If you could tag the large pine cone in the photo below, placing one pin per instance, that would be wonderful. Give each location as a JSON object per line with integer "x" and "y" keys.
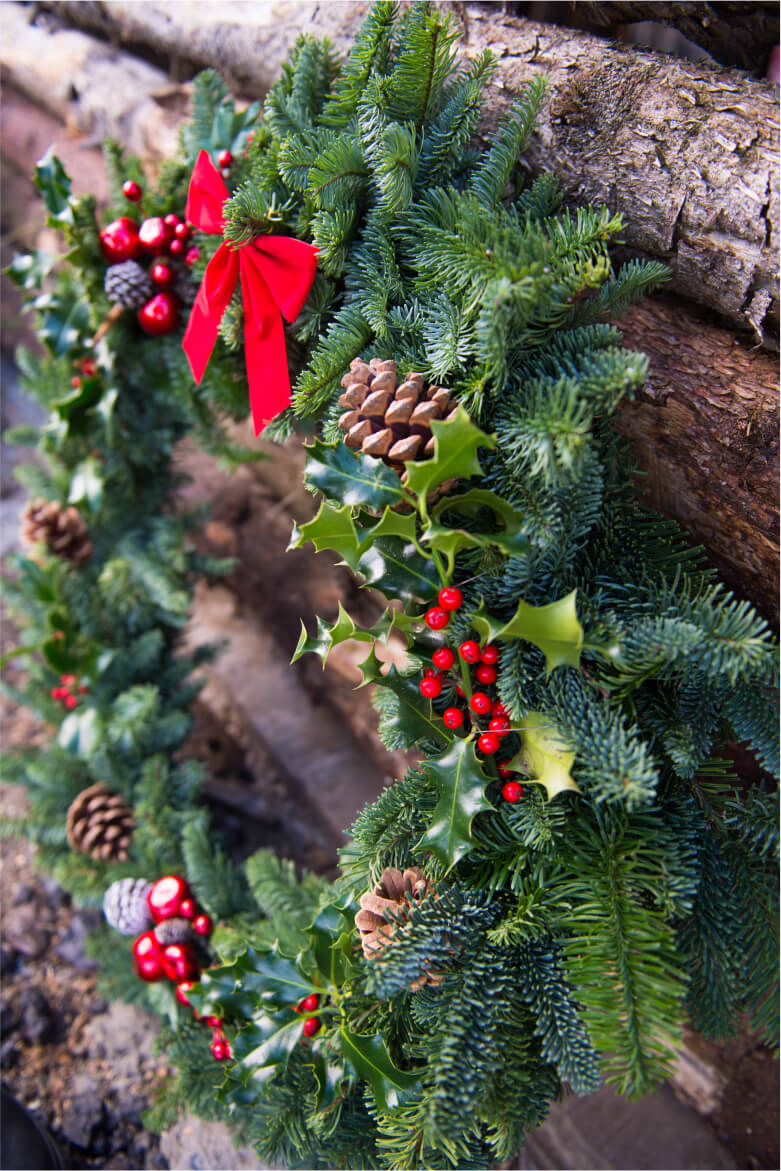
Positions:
{"x": 125, "y": 906}
{"x": 100, "y": 824}
{"x": 387, "y": 419}
{"x": 62, "y": 530}
{"x": 394, "y": 893}
{"x": 128, "y": 285}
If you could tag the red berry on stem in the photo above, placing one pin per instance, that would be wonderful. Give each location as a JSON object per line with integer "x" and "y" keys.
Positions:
{"x": 119, "y": 240}
{"x": 187, "y": 909}
{"x": 160, "y": 315}
{"x": 500, "y": 725}
{"x": 89, "y": 367}
{"x": 470, "y": 651}
{"x": 192, "y": 255}
{"x": 311, "y": 1026}
{"x": 75, "y": 381}
{"x": 490, "y": 654}
{"x": 443, "y": 658}
{"x": 503, "y": 770}
{"x": 148, "y": 957}
{"x": 485, "y": 674}
{"x": 180, "y": 962}
{"x": 162, "y": 274}
{"x": 480, "y": 703}
{"x": 450, "y": 598}
{"x": 498, "y": 709}
{"x": 437, "y": 618}
{"x": 452, "y": 717}
{"x": 459, "y": 690}
{"x": 214, "y": 1022}
{"x": 220, "y": 1049}
{"x": 132, "y": 190}
{"x": 176, "y": 247}
{"x": 165, "y": 897}
{"x": 171, "y": 220}
{"x": 488, "y": 743}
{"x": 154, "y": 235}
{"x": 182, "y": 988}
{"x": 512, "y": 792}
{"x": 431, "y": 688}
{"x": 310, "y": 1003}
{"x": 202, "y": 925}
{"x": 224, "y": 159}
{"x": 70, "y": 702}
{"x": 67, "y": 680}
{"x": 182, "y": 231}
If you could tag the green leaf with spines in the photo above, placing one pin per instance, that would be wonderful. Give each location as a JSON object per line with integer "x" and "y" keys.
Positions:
{"x": 461, "y": 781}
{"x": 456, "y": 442}
{"x": 553, "y": 628}
{"x": 54, "y": 184}
{"x": 332, "y": 528}
{"x": 449, "y": 540}
{"x": 327, "y": 637}
{"x": 369, "y": 1057}
{"x": 350, "y": 478}
{"x": 415, "y": 719}
{"x": 544, "y": 756}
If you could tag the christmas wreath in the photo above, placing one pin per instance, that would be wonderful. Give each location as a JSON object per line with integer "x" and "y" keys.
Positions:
{"x": 570, "y": 871}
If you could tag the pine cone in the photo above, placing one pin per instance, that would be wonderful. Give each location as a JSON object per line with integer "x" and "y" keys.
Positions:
{"x": 394, "y": 893}
{"x": 62, "y": 530}
{"x": 388, "y": 420}
{"x": 174, "y": 931}
{"x": 100, "y": 824}
{"x": 128, "y": 285}
{"x": 125, "y": 906}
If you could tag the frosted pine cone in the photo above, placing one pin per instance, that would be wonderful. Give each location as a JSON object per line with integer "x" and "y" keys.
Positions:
{"x": 62, "y": 530}
{"x": 125, "y": 906}
{"x": 387, "y": 419}
{"x": 394, "y": 893}
{"x": 128, "y": 285}
{"x": 100, "y": 824}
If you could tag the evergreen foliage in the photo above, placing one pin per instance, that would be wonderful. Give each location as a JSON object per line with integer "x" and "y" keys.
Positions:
{"x": 634, "y": 884}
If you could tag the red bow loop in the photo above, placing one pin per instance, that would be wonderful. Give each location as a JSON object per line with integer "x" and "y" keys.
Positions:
{"x": 276, "y": 275}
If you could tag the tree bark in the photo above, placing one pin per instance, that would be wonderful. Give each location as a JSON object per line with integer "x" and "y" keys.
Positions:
{"x": 705, "y": 434}
{"x": 686, "y": 151}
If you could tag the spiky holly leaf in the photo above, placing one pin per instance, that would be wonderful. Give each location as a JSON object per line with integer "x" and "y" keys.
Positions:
{"x": 333, "y": 1079}
{"x": 327, "y": 637}
{"x": 554, "y": 628}
{"x": 80, "y": 732}
{"x": 390, "y": 524}
{"x": 87, "y": 484}
{"x": 54, "y": 184}
{"x": 544, "y": 755}
{"x": 449, "y": 540}
{"x": 459, "y": 777}
{"x": 30, "y": 270}
{"x": 266, "y": 1043}
{"x": 332, "y": 528}
{"x": 399, "y": 570}
{"x": 350, "y": 478}
{"x": 325, "y": 935}
{"x": 371, "y": 1061}
{"x": 415, "y": 719}
{"x": 455, "y": 444}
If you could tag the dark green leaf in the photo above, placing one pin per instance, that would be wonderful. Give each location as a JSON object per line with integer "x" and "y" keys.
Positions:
{"x": 54, "y": 185}
{"x": 554, "y": 628}
{"x": 371, "y": 1062}
{"x": 455, "y": 445}
{"x": 459, "y": 777}
{"x": 342, "y": 475}
{"x": 29, "y": 270}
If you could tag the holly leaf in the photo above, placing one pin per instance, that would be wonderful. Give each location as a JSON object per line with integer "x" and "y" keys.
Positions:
{"x": 28, "y": 271}
{"x": 398, "y": 570}
{"x": 351, "y": 478}
{"x": 266, "y": 1043}
{"x": 544, "y": 755}
{"x": 87, "y": 484}
{"x": 333, "y": 1079}
{"x": 80, "y": 732}
{"x": 332, "y": 528}
{"x": 62, "y": 324}
{"x": 371, "y": 1061}
{"x": 449, "y": 540}
{"x": 455, "y": 444}
{"x": 554, "y": 628}
{"x": 390, "y": 524}
{"x": 371, "y": 669}
{"x": 415, "y": 720}
{"x": 459, "y": 777}
{"x": 54, "y": 184}
{"x": 327, "y": 637}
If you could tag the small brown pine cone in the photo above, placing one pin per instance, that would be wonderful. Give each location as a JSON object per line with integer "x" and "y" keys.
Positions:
{"x": 100, "y": 824}
{"x": 387, "y": 418}
{"x": 62, "y": 530}
{"x": 394, "y": 893}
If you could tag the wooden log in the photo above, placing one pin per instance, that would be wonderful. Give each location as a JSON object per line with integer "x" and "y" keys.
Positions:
{"x": 705, "y": 434}
{"x": 686, "y": 151}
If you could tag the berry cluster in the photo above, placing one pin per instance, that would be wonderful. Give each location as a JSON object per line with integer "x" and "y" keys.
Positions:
{"x": 483, "y": 705}
{"x": 65, "y": 695}
{"x": 310, "y": 1004}
{"x": 88, "y": 367}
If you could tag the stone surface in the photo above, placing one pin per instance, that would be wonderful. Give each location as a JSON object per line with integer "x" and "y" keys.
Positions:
{"x": 194, "y": 1145}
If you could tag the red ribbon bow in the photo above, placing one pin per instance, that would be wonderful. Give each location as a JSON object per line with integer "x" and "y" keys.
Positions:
{"x": 276, "y": 275}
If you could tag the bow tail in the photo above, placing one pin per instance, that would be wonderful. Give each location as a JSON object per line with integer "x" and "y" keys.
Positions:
{"x": 215, "y": 292}
{"x": 264, "y": 346}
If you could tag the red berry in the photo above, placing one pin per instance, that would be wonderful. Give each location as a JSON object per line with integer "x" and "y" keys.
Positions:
{"x": 450, "y": 598}
{"x": 220, "y": 1049}
{"x": 119, "y": 240}
{"x": 176, "y": 247}
{"x": 182, "y": 231}
{"x": 311, "y": 1026}
{"x": 154, "y": 235}
{"x": 489, "y": 654}
{"x": 148, "y": 957}
{"x": 202, "y": 925}
{"x": 470, "y": 651}
{"x": 67, "y": 680}
{"x": 160, "y": 315}
{"x": 488, "y": 743}
{"x": 443, "y": 658}
{"x": 58, "y": 693}
{"x": 512, "y": 792}
{"x": 310, "y": 1003}
{"x": 180, "y": 962}
{"x": 480, "y": 703}
{"x": 437, "y": 618}
{"x": 485, "y": 674}
{"x": 503, "y": 770}
{"x": 182, "y": 988}
{"x": 452, "y": 717}
{"x": 498, "y": 709}
{"x": 431, "y": 688}
{"x": 214, "y": 1022}
{"x": 224, "y": 159}
{"x": 165, "y": 897}
{"x": 75, "y": 381}
{"x": 162, "y": 274}
{"x": 431, "y": 673}
{"x": 82, "y": 690}
{"x": 192, "y": 255}
{"x": 89, "y": 367}
{"x": 132, "y": 190}
{"x": 70, "y": 702}
{"x": 500, "y": 725}
{"x": 460, "y": 691}
{"x": 171, "y": 220}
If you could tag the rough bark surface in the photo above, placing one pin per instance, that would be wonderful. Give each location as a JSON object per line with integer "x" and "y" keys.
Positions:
{"x": 686, "y": 151}
{"x": 705, "y": 433}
